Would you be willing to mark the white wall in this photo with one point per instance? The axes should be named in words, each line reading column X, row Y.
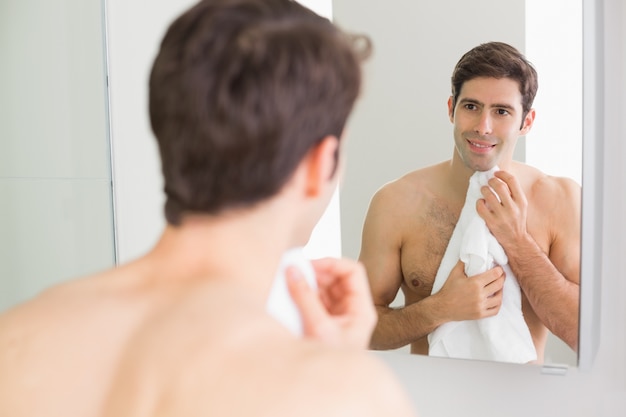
column 555, row 142
column 55, row 180
column 134, row 32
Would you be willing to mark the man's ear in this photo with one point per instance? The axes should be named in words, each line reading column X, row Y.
column 527, row 124
column 321, row 163
column 451, row 109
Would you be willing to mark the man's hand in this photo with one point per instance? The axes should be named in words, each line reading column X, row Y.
column 476, row 297
column 506, row 219
column 341, row 311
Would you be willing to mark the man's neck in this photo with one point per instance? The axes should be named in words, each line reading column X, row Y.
column 242, row 248
column 460, row 173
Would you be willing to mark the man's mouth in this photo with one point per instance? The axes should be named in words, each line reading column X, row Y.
column 480, row 145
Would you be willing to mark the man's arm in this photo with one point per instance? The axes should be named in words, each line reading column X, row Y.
column 380, row 254
column 459, row 299
column 550, row 281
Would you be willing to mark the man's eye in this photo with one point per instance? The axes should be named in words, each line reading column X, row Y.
column 470, row 106
column 502, row 112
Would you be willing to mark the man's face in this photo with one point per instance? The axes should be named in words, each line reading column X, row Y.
column 487, row 120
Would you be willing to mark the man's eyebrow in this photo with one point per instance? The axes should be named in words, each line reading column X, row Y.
column 503, row 106
column 471, row 101
column 467, row 100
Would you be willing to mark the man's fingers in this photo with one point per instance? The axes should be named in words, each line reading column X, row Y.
column 492, row 198
column 306, row 298
column 494, row 302
column 336, row 312
column 514, row 188
column 495, row 284
column 329, row 269
column 343, row 278
column 458, row 270
column 491, row 276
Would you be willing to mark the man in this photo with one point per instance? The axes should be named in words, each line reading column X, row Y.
column 248, row 101
column 410, row 220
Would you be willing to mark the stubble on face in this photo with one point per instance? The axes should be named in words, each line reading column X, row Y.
column 486, row 122
column 466, row 144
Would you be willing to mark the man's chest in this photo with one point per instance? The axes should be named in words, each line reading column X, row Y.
column 423, row 246
column 426, row 240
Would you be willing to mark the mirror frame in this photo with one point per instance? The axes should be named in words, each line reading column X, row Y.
column 355, row 199
column 592, row 184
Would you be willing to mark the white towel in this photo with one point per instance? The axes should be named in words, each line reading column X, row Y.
column 280, row 305
column 504, row 337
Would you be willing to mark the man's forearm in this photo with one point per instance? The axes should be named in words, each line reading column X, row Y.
column 552, row 296
column 398, row 327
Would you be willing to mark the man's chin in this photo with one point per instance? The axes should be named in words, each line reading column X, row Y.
column 482, row 167
column 486, row 168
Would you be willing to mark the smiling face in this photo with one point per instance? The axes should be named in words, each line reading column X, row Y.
column 488, row 119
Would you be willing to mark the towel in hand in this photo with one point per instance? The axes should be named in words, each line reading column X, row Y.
column 280, row 305
column 504, row 337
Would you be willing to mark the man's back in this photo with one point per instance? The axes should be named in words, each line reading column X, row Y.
column 213, row 348
column 64, row 346
column 130, row 339
column 58, row 351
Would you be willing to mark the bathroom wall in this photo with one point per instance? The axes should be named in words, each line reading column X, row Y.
column 557, row 56
column 55, row 181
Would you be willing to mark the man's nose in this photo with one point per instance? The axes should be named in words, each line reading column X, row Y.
column 483, row 124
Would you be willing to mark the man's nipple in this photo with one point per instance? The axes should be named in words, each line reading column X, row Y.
column 421, row 285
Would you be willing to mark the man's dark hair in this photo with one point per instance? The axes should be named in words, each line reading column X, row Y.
column 240, row 91
column 496, row 60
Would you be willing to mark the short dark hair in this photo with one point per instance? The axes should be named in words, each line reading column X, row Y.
column 497, row 60
column 240, row 91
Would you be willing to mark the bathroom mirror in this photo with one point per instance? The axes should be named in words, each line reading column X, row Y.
column 55, row 171
column 401, row 121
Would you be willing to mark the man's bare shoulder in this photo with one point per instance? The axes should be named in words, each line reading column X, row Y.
column 412, row 189
column 65, row 313
column 66, row 298
column 547, row 191
column 295, row 377
column 201, row 351
column 68, row 337
column 559, row 189
column 306, row 378
column 356, row 380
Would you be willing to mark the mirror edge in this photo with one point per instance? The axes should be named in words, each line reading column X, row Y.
column 109, row 129
column 592, row 194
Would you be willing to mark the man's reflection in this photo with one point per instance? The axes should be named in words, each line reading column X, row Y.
column 534, row 217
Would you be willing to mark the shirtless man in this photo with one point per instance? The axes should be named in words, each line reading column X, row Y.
column 411, row 219
column 248, row 101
